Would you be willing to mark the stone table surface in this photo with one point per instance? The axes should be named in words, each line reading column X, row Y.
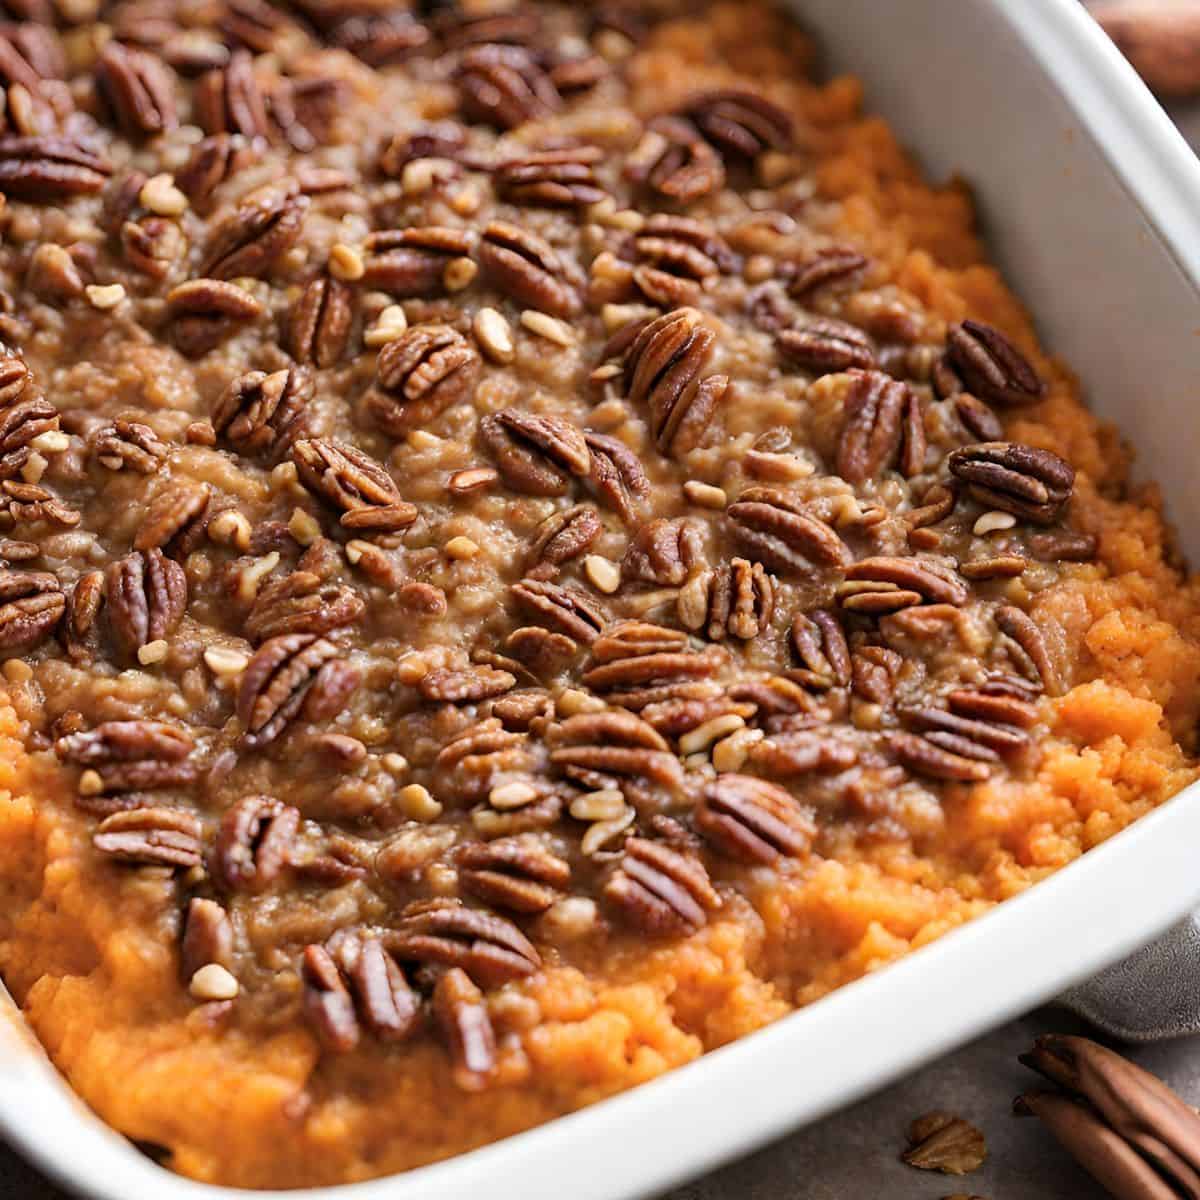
column 852, row 1155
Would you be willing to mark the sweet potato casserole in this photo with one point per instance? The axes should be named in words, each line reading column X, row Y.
column 534, row 544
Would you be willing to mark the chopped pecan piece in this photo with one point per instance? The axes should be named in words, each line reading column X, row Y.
column 777, row 529
column 1030, row 483
column 833, row 265
column 739, row 123
column 301, row 602
column 174, row 519
column 564, row 535
column 535, row 454
column 617, row 475
column 230, row 100
column 264, row 226
column 560, row 178
column 296, row 674
column 151, row 837
column 204, row 312
column 353, row 482
column 31, row 605
column 466, row 686
column 138, row 88
column 884, row 584
column 674, row 160
column 319, row 322
column 520, row 874
column 563, row 609
column 462, row 1017
column 753, row 820
column 825, row 345
column 664, row 368
column 419, row 375
column 252, row 843
column 604, row 749
column 664, row 552
column 264, row 414
column 147, row 595
column 661, row 891
column 489, row 948
column 883, row 423
column 412, row 262
column 524, row 266
column 820, row 644
column 504, row 86
column 939, row 1141
column 991, row 366
column 736, row 599
column 49, row 168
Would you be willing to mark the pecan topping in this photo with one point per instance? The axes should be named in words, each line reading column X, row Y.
column 380, row 39
column 319, row 323
column 517, row 873
column 926, row 757
column 883, row 584
column 536, row 455
column 489, row 948
column 147, row 595
column 301, row 602
column 777, row 529
column 296, row 674
column 564, row 535
column 151, row 837
column 640, row 656
column 504, row 86
column 19, row 425
column 674, row 160
column 418, row 375
column 138, row 87
column 47, row 169
column 1030, row 646
column 736, row 599
column 939, row 1141
column 561, row 178
column 261, row 413
column 825, row 345
column 991, row 366
column 31, row 502
column 151, row 245
column 559, row 608
column 14, row 377
column 462, row 1017
column 207, row 936
column 802, row 752
column 132, row 756
column 659, row 890
column 883, row 423
column 833, row 265
column 527, row 268
column 31, row 605
column 1030, row 483
column 466, row 686
column 264, row 226
column 617, row 475
column 327, row 1001
column 174, row 520
column 353, row 482
column 740, row 123
column 664, row 368
column 229, row 99
column 753, row 820
column 412, row 262
column 664, row 552
column 204, row 312
column 604, row 749
column 820, row 644
column 213, row 160
column 968, row 736
column 483, row 756
column 252, row 843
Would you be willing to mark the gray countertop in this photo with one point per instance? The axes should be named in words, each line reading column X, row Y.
column 853, row 1155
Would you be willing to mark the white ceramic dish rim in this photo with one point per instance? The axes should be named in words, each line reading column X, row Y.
column 745, row 1094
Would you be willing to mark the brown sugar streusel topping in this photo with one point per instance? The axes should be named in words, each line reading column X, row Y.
column 398, row 528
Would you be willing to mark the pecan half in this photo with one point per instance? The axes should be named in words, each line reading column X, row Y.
column 489, row 948
column 564, row 535
column 207, row 937
column 504, row 86
column 605, row 749
column 739, row 123
column 883, row 423
column 525, row 267
column 559, row 178
column 252, row 843
column 752, row 820
column 287, row 677
column 664, row 368
column 138, row 88
column 777, row 529
column 819, row 642
column 833, row 265
column 213, row 160
column 925, row 757
column 517, row 873
column 301, row 602
column 229, row 99
column 674, row 160
column 380, row 39
column 824, row 345
column 19, row 425
column 47, row 169
column 265, row 225
column 664, row 552
column 174, row 519
column 328, row 1004
column 31, row 605
column 1028, row 482
column 462, row 1016
column 484, row 755
column 264, row 414
column 353, row 482
column 991, row 366
column 467, row 685
column 884, row 584
column 204, row 312
column 535, row 454
column 31, row 502
column 14, row 377
column 968, row 736
column 1030, row 644
column 151, row 837
column 412, row 262
column 319, row 322
column 661, row 891
column 147, row 595
column 803, row 752
column 562, row 609
column 133, row 756
column 736, row 599
column 419, row 375
column 617, row 474
column 939, row 1141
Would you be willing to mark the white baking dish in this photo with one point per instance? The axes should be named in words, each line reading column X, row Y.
column 1092, row 203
